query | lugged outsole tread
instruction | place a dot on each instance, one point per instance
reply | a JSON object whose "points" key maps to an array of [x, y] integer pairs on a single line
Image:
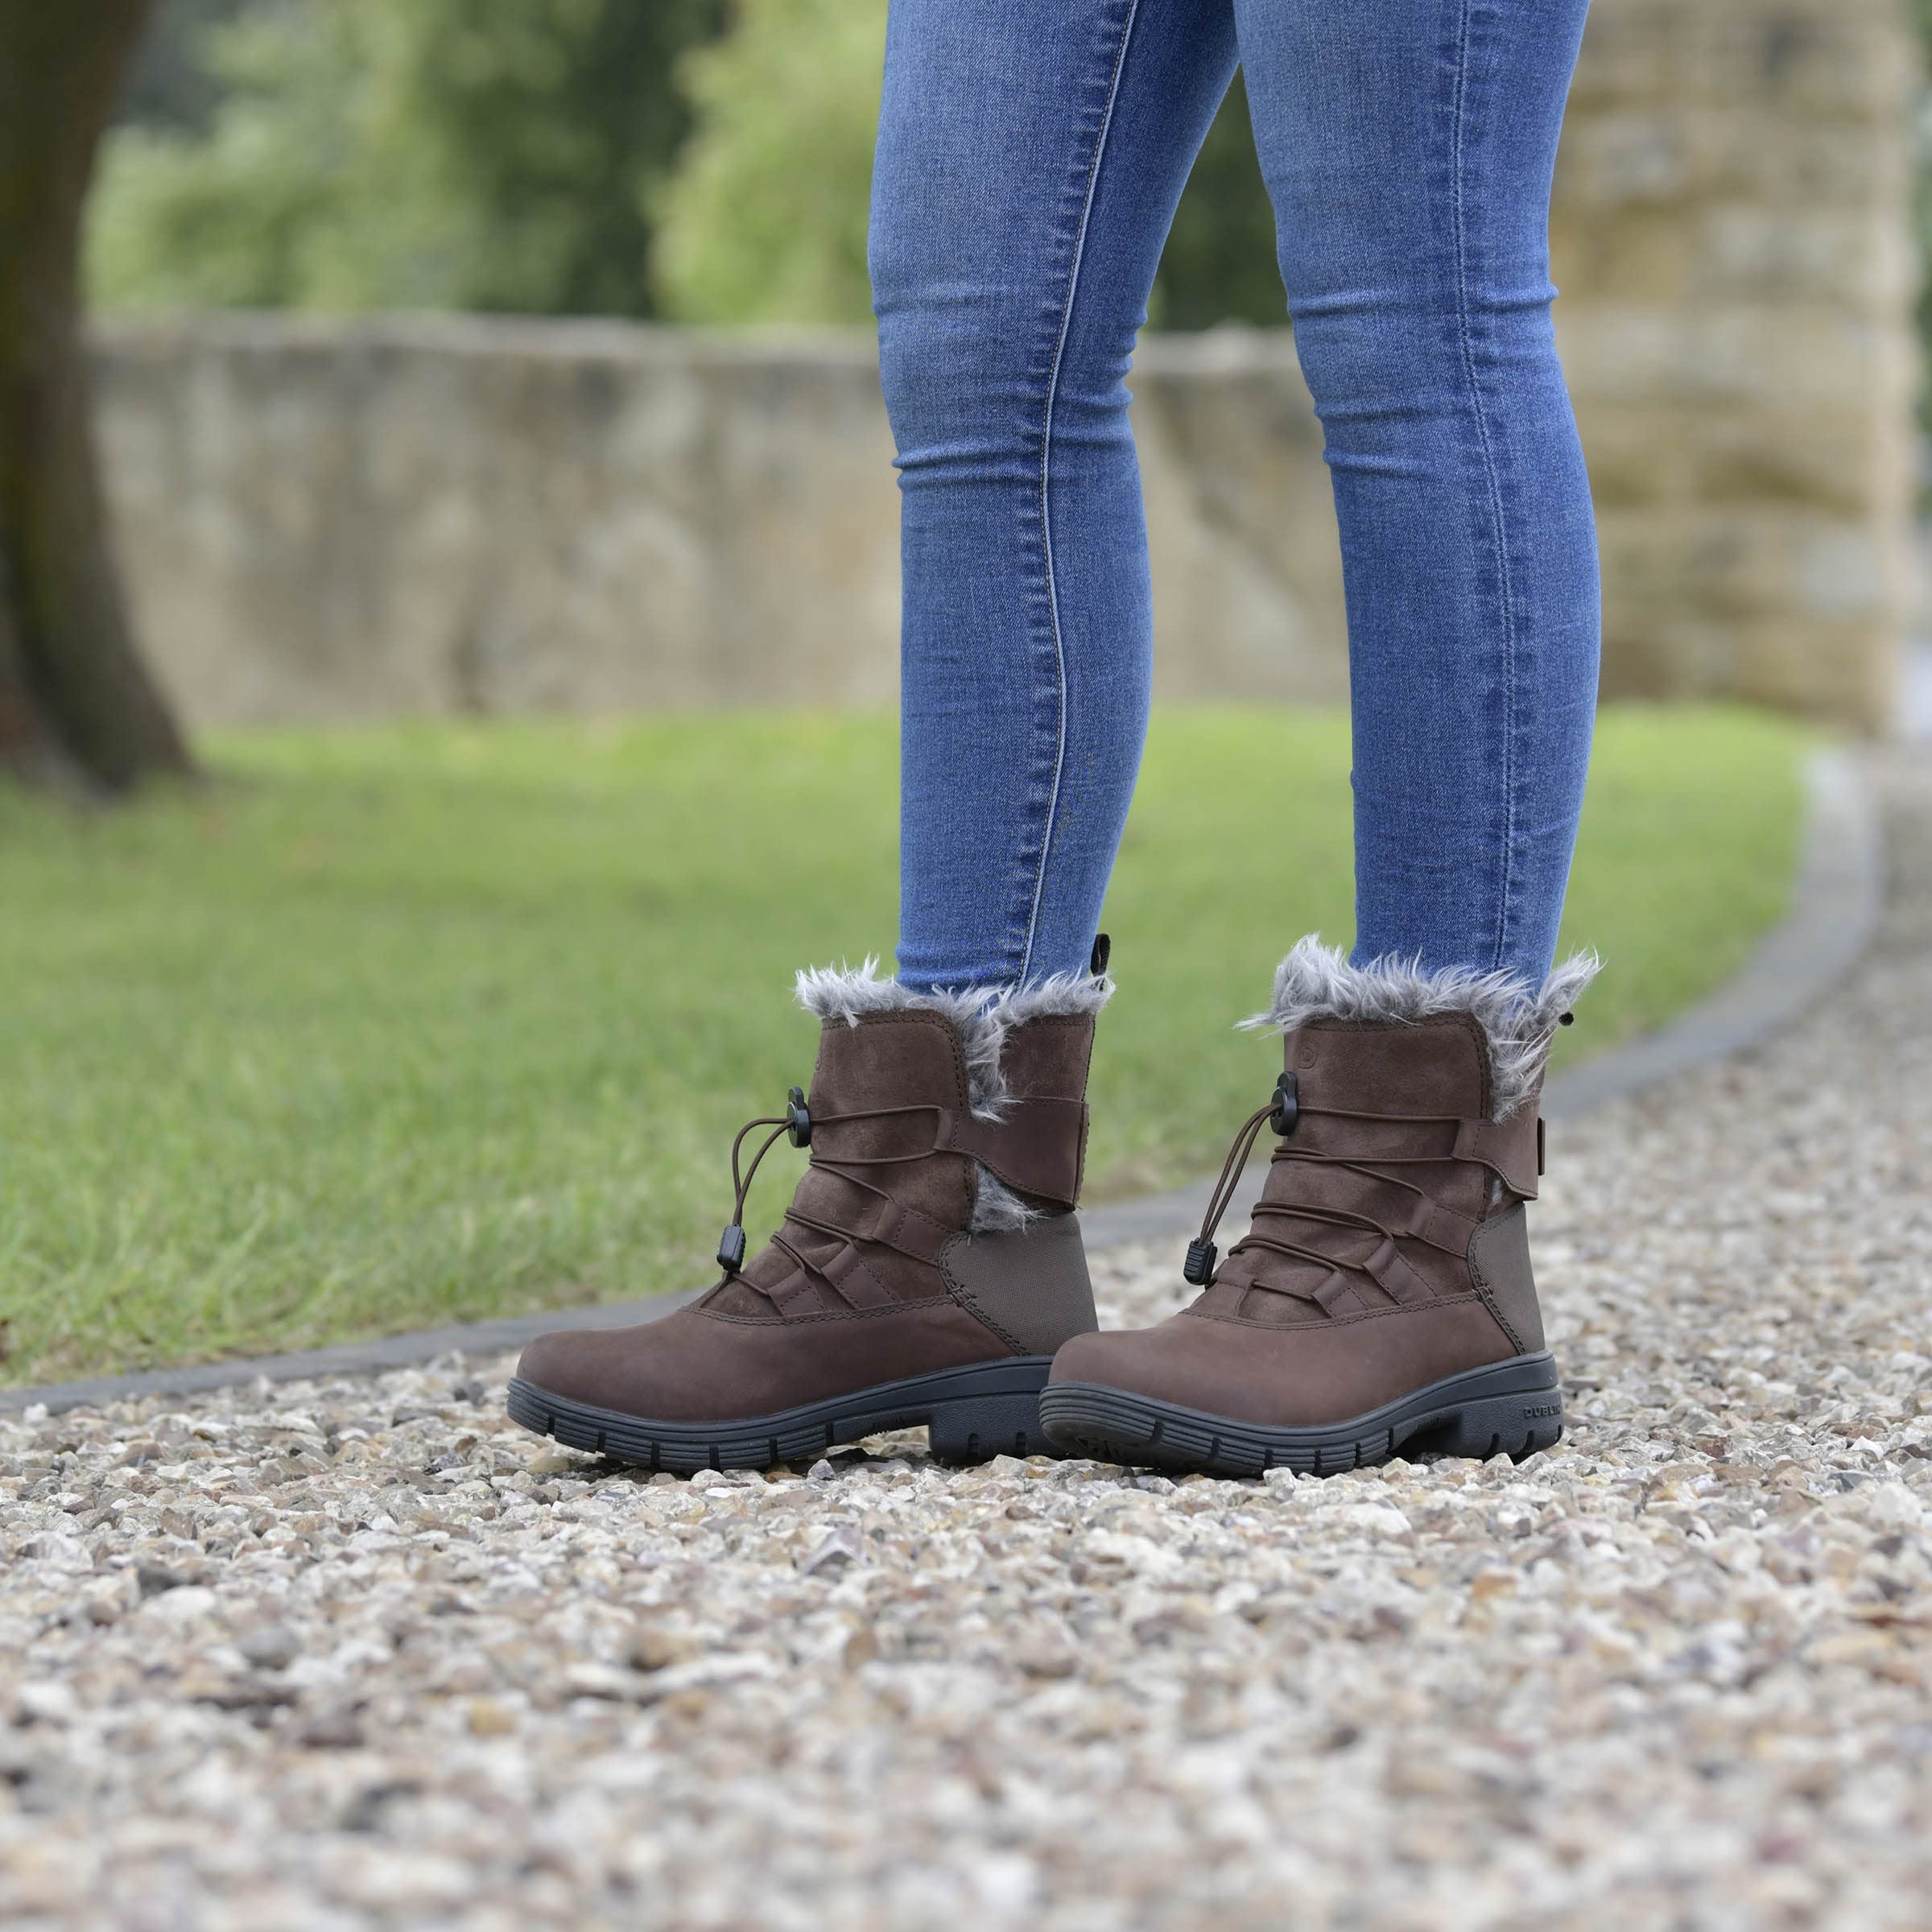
{"points": [[972, 1414], [1515, 1402]]}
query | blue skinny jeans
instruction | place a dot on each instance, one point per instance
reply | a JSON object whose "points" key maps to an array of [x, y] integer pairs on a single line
{"points": [[1030, 155]]}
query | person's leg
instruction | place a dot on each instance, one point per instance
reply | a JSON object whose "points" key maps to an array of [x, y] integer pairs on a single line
{"points": [[931, 1262], [1408, 146], [1030, 155], [1382, 1299]]}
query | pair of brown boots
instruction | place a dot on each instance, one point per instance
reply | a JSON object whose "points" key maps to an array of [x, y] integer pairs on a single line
{"points": [[930, 1269]]}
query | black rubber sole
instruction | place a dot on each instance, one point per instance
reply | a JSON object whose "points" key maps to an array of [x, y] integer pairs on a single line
{"points": [[970, 1416], [1514, 1407]]}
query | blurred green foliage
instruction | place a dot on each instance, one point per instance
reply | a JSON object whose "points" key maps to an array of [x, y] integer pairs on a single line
{"points": [[764, 219], [524, 154], [172, 83], [706, 159], [1219, 264], [447, 153]]}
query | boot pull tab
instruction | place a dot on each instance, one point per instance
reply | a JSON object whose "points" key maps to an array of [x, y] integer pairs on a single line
{"points": [[1103, 951]]}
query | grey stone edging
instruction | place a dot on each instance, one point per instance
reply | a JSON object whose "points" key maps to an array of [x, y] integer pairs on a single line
{"points": [[1835, 904], [1836, 901]]}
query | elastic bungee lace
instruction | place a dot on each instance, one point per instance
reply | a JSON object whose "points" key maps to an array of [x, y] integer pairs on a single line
{"points": [[798, 1122], [1283, 1111]]}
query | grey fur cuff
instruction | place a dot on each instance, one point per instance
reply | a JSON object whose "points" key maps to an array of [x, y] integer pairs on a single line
{"points": [[982, 1017], [1318, 982]]}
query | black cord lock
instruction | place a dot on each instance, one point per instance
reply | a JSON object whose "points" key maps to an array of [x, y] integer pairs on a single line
{"points": [[1287, 1107], [798, 1117], [1198, 1270], [731, 1248]]}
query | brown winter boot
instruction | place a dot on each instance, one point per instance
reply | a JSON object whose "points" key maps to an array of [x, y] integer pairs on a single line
{"points": [[1382, 1301], [928, 1267]]}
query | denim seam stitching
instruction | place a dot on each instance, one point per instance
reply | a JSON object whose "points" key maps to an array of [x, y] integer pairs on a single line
{"points": [[1053, 386], [1493, 481]]}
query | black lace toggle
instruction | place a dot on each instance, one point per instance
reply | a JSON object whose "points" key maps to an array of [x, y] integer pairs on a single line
{"points": [[797, 1122], [1198, 1270], [1286, 1108], [731, 1244]]}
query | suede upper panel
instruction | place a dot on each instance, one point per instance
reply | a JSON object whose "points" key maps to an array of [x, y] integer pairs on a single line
{"points": [[1251, 1373], [863, 1298], [897, 1069], [1370, 1273], [1434, 1066], [1438, 1067], [1049, 1056], [909, 1059], [698, 1365]]}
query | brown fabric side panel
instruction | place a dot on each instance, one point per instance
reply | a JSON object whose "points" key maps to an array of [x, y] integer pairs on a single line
{"points": [[1499, 1263], [1031, 1288]]}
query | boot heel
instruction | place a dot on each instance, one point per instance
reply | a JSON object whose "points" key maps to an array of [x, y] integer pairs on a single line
{"points": [[1516, 1425], [976, 1428]]}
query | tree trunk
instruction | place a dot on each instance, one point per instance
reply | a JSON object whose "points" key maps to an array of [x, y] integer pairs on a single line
{"points": [[76, 701]]}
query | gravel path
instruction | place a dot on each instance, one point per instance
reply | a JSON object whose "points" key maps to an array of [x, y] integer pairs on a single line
{"points": [[360, 1654]]}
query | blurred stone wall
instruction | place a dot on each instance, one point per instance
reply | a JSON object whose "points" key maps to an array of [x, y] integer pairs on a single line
{"points": [[361, 517], [330, 518], [1732, 240]]}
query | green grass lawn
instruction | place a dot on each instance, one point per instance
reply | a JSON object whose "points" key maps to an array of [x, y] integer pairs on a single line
{"points": [[397, 1026]]}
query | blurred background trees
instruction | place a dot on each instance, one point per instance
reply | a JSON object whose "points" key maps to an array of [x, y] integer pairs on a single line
{"points": [[701, 160], [763, 219], [77, 707], [694, 160], [488, 155]]}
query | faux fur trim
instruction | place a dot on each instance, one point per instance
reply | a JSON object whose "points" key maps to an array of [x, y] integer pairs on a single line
{"points": [[1317, 982], [982, 1019], [996, 1209]]}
